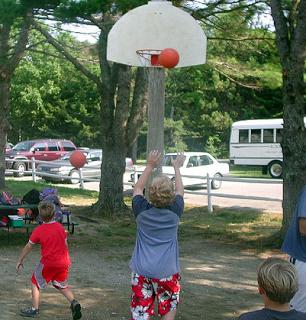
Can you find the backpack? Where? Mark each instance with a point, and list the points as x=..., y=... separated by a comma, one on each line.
x=32, y=197
x=46, y=192
x=51, y=195
x=7, y=198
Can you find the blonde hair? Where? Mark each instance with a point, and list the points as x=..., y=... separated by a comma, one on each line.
x=46, y=211
x=161, y=191
x=278, y=278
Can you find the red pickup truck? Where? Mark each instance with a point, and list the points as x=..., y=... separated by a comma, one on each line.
x=41, y=149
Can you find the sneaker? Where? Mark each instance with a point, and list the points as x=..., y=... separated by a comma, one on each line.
x=76, y=310
x=29, y=312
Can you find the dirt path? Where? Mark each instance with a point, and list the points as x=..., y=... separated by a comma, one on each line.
x=218, y=281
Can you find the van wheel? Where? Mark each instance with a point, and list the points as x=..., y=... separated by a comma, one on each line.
x=20, y=167
x=74, y=174
x=216, y=184
x=276, y=169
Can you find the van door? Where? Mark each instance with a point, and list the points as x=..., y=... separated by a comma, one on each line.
x=39, y=151
x=53, y=151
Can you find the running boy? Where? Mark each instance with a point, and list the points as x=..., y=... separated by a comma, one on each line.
x=155, y=264
x=277, y=284
x=54, y=263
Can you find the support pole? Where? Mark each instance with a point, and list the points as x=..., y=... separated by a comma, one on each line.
x=156, y=113
x=209, y=203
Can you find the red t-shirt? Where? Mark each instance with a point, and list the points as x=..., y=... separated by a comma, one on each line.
x=52, y=238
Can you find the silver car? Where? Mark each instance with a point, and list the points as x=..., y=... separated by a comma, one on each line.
x=62, y=170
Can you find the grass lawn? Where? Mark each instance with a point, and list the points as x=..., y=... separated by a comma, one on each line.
x=249, y=229
x=248, y=172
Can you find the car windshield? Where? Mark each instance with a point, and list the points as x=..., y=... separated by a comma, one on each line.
x=23, y=146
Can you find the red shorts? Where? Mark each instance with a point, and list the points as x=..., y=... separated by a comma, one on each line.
x=144, y=291
x=42, y=275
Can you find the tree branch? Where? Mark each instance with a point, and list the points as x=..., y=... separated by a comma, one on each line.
x=66, y=54
x=282, y=32
x=138, y=107
x=21, y=43
x=299, y=46
x=241, y=84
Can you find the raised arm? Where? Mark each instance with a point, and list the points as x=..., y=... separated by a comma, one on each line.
x=25, y=251
x=177, y=163
x=153, y=160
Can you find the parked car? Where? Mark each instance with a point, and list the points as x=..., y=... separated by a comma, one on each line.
x=67, y=172
x=197, y=165
x=41, y=149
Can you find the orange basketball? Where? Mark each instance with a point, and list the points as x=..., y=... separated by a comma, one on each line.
x=77, y=159
x=169, y=58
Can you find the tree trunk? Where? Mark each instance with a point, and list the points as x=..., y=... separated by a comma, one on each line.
x=4, y=124
x=114, y=146
x=294, y=139
x=290, y=29
x=111, y=199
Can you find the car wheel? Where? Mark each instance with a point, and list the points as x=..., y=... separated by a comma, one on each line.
x=276, y=169
x=20, y=167
x=216, y=183
x=75, y=177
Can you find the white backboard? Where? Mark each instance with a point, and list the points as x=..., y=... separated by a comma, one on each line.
x=157, y=25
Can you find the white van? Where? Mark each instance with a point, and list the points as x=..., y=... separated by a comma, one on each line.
x=257, y=142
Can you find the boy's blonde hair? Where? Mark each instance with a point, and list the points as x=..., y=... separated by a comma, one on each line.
x=161, y=191
x=278, y=278
x=46, y=211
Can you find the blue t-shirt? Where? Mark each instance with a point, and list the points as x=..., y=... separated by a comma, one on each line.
x=295, y=243
x=156, y=253
x=268, y=314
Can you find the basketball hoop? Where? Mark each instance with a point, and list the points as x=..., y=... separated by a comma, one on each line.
x=149, y=57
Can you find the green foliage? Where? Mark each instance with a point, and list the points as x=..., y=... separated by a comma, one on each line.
x=50, y=98
x=241, y=80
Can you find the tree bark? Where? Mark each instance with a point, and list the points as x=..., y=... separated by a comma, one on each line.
x=4, y=124
x=291, y=43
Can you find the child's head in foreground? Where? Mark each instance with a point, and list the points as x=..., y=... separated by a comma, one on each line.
x=161, y=191
x=278, y=279
x=46, y=211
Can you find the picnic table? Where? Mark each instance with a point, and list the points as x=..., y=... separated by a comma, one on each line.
x=29, y=222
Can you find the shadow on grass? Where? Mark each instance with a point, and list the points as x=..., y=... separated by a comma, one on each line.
x=248, y=229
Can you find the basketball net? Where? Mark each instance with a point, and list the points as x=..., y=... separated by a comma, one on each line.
x=149, y=57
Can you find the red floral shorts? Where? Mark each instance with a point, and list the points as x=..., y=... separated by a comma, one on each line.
x=144, y=291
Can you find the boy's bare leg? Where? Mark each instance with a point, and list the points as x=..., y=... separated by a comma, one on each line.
x=169, y=316
x=67, y=293
x=35, y=296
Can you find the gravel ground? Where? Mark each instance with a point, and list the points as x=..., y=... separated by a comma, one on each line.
x=218, y=281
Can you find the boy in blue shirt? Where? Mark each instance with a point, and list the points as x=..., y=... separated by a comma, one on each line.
x=155, y=264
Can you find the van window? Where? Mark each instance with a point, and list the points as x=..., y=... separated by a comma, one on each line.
x=243, y=136
x=68, y=146
x=40, y=147
x=267, y=135
x=279, y=135
x=256, y=135
x=53, y=146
